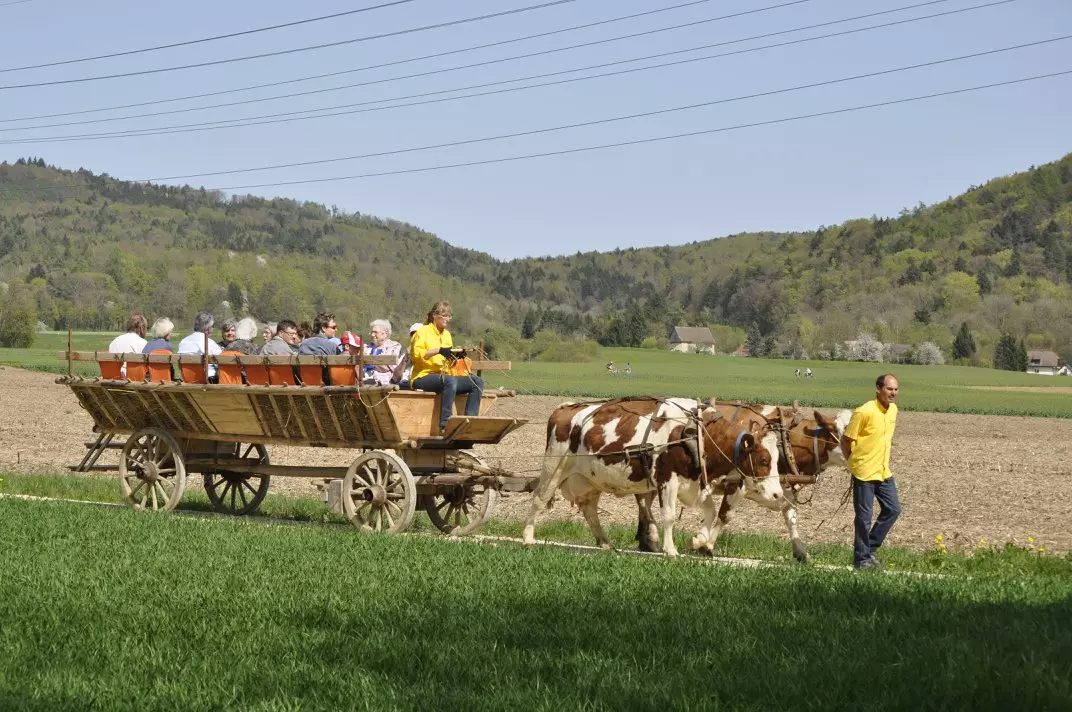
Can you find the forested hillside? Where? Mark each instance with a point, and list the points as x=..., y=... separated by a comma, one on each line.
x=86, y=249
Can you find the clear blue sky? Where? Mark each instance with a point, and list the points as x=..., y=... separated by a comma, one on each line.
x=792, y=176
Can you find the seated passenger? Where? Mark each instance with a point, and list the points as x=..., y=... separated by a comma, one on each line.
x=227, y=332
x=245, y=331
x=431, y=351
x=131, y=341
x=161, y=333
x=404, y=369
x=381, y=345
x=324, y=343
x=194, y=344
x=269, y=332
x=285, y=341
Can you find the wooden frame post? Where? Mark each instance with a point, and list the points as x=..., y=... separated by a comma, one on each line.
x=68, y=352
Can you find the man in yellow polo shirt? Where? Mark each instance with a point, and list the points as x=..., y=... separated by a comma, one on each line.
x=866, y=445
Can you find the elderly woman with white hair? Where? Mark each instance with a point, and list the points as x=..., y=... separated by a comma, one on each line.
x=245, y=331
x=160, y=336
x=380, y=344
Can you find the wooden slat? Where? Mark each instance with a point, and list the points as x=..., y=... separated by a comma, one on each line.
x=491, y=366
x=165, y=410
x=334, y=417
x=295, y=416
x=228, y=412
x=481, y=428
x=278, y=415
x=316, y=419
x=280, y=360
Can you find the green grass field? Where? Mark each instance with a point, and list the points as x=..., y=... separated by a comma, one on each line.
x=950, y=389
x=835, y=385
x=106, y=608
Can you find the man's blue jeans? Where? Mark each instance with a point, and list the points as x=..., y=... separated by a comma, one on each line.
x=870, y=537
x=449, y=387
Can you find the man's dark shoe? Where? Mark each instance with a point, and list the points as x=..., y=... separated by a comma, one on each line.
x=869, y=564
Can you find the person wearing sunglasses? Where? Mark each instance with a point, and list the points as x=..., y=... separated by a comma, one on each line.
x=325, y=341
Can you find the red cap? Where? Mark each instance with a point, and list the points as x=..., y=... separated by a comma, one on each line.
x=351, y=339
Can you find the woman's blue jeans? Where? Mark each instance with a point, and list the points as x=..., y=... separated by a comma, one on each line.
x=449, y=387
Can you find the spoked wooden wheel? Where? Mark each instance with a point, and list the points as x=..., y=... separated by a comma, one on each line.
x=151, y=470
x=462, y=510
x=379, y=493
x=239, y=492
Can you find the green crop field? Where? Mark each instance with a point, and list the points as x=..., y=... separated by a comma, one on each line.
x=106, y=608
x=43, y=355
x=952, y=389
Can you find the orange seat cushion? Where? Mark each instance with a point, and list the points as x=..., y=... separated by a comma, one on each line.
x=342, y=375
x=112, y=370
x=230, y=374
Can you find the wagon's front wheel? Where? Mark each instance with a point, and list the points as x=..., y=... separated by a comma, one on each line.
x=379, y=493
x=151, y=470
x=239, y=493
x=462, y=509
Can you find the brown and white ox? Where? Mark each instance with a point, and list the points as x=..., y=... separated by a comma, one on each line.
x=588, y=455
x=813, y=442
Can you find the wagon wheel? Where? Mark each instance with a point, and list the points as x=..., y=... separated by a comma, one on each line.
x=379, y=493
x=461, y=510
x=151, y=470
x=239, y=493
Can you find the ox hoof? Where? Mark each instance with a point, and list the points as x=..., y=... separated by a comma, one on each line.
x=649, y=545
x=706, y=551
x=800, y=553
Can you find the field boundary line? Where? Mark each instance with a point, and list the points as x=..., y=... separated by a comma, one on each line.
x=489, y=539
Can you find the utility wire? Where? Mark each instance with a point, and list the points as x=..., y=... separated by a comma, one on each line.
x=206, y=39
x=492, y=62
x=572, y=28
x=14, y=2
x=294, y=50
x=597, y=122
x=406, y=61
x=654, y=139
x=287, y=117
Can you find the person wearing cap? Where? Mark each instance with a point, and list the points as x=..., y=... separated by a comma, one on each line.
x=431, y=349
x=381, y=345
x=404, y=368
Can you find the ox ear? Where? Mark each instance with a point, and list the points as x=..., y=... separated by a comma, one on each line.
x=824, y=422
x=754, y=426
x=712, y=401
x=748, y=443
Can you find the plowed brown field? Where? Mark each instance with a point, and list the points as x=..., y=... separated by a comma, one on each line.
x=966, y=476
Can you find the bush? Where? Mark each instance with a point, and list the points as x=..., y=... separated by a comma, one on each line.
x=927, y=354
x=18, y=319
x=503, y=343
x=654, y=342
x=570, y=352
x=866, y=348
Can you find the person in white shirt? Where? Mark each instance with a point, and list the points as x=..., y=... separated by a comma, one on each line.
x=194, y=344
x=132, y=341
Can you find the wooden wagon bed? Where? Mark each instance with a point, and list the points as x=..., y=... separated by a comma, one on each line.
x=220, y=432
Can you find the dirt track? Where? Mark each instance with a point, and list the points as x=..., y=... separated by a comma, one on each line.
x=1003, y=478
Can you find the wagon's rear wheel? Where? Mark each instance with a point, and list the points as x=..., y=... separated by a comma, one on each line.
x=151, y=470
x=462, y=509
x=239, y=492
x=379, y=493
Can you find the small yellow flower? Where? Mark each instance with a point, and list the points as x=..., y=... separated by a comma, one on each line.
x=938, y=537
x=1041, y=549
x=1031, y=540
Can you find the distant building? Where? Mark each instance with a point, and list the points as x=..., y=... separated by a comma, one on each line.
x=1044, y=363
x=897, y=353
x=692, y=339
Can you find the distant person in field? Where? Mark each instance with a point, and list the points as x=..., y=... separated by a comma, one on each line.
x=808, y=373
x=866, y=445
x=227, y=334
x=404, y=369
x=161, y=336
x=381, y=344
x=245, y=331
x=285, y=341
x=130, y=341
x=194, y=344
x=432, y=352
x=324, y=342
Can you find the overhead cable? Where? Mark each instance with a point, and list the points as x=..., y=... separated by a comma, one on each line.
x=654, y=139
x=628, y=117
x=500, y=60
x=293, y=50
x=202, y=40
x=371, y=105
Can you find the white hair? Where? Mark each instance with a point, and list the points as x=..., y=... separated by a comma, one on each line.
x=383, y=324
x=246, y=328
x=162, y=328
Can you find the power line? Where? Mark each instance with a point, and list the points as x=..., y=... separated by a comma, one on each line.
x=205, y=39
x=597, y=122
x=654, y=139
x=294, y=50
x=420, y=58
x=14, y=2
x=286, y=117
x=498, y=61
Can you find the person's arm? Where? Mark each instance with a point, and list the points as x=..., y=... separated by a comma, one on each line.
x=852, y=432
x=846, y=446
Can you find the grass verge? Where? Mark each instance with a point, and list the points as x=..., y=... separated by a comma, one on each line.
x=114, y=609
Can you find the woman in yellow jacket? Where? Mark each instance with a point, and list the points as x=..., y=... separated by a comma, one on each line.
x=431, y=351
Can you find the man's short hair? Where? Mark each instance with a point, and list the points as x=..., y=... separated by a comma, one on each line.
x=204, y=321
x=880, y=382
x=285, y=324
x=322, y=319
x=137, y=322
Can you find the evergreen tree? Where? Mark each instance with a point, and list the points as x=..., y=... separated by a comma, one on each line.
x=1005, y=356
x=964, y=343
x=528, y=326
x=754, y=341
x=1020, y=357
x=770, y=346
x=985, y=285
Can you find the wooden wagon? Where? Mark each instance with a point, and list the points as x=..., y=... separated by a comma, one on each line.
x=221, y=432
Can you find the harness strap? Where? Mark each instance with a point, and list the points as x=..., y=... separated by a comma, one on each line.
x=737, y=448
